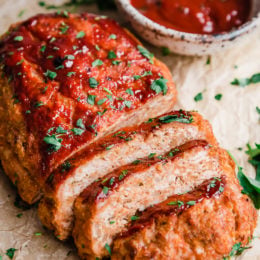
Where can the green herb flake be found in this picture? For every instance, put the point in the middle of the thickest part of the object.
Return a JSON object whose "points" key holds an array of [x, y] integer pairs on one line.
{"points": [[218, 96], [97, 63], [176, 118], [107, 247], [101, 101], [91, 99], [237, 249], [146, 53], [50, 74], [129, 91], [20, 62], [128, 103], [111, 55], [10, 252], [80, 35], [70, 57], [179, 203], [105, 190], [111, 181], [110, 147], [21, 13], [53, 39], [54, 142], [77, 131], [38, 234], [112, 36], [93, 83], [108, 91], [198, 97], [19, 215], [242, 82], [191, 202], [71, 73], [112, 222], [159, 85], [151, 155], [208, 60], [18, 38], [134, 218], [122, 175], [116, 62], [165, 51]]}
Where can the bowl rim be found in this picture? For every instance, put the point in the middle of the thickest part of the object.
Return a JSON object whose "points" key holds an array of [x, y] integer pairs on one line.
{"points": [[179, 35]]}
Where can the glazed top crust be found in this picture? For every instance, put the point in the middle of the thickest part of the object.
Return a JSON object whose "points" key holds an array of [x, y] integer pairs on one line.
{"points": [[73, 76]]}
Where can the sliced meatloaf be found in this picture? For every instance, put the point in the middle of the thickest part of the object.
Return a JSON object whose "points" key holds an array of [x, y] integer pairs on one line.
{"points": [[156, 136], [203, 224], [106, 206], [67, 80]]}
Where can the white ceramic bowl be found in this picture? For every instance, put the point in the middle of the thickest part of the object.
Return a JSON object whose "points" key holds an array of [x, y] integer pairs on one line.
{"points": [[187, 43]]}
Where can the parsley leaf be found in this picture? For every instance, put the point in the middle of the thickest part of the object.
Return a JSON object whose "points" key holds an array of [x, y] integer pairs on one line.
{"points": [[78, 131], [198, 97], [10, 252], [146, 53], [112, 36], [218, 96], [165, 51], [97, 62], [18, 38], [159, 85], [111, 55], [176, 118], [246, 81], [54, 142], [93, 83], [91, 99], [81, 34], [107, 247], [50, 74]]}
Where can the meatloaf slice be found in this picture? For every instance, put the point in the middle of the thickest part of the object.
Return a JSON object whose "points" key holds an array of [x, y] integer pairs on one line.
{"points": [[202, 224], [156, 136], [67, 80], [106, 206]]}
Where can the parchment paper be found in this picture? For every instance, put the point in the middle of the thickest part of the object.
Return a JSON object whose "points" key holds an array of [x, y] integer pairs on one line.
{"points": [[234, 119]]}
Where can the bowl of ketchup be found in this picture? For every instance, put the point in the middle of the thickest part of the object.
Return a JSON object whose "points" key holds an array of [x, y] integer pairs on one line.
{"points": [[192, 27]]}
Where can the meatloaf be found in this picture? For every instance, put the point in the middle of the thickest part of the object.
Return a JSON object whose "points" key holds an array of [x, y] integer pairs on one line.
{"points": [[106, 206], [67, 80], [203, 224], [156, 136]]}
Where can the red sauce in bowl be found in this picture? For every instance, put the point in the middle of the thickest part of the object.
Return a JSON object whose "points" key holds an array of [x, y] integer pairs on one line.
{"points": [[196, 16]]}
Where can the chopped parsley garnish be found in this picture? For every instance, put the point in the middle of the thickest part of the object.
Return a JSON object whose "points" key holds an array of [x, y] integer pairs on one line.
{"points": [[21, 13], [107, 247], [176, 118], [127, 103], [50, 74], [179, 203], [129, 91], [159, 85], [136, 77], [20, 62], [61, 130], [70, 57], [101, 101], [246, 81], [133, 218], [80, 35], [18, 38], [123, 174], [258, 110], [251, 186], [91, 99], [112, 222], [112, 36], [53, 39], [80, 124], [38, 104], [136, 162], [111, 55], [108, 91], [19, 215], [116, 62], [208, 60], [111, 181], [50, 57], [218, 96], [69, 74], [151, 155], [97, 63], [165, 51], [146, 53], [237, 249], [64, 28], [77, 131], [191, 202], [198, 97], [93, 83], [109, 147], [105, 190], [53, 142], [38, 234], [10, 252]]}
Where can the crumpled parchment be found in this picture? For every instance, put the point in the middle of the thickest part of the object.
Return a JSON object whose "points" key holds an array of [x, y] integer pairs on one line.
{"points": [[234, 119]]}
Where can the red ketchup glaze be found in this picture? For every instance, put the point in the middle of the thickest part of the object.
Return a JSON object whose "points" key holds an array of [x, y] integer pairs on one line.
{"points": [[49, 61], [196, 16], [177, 204], [113, 180]]}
